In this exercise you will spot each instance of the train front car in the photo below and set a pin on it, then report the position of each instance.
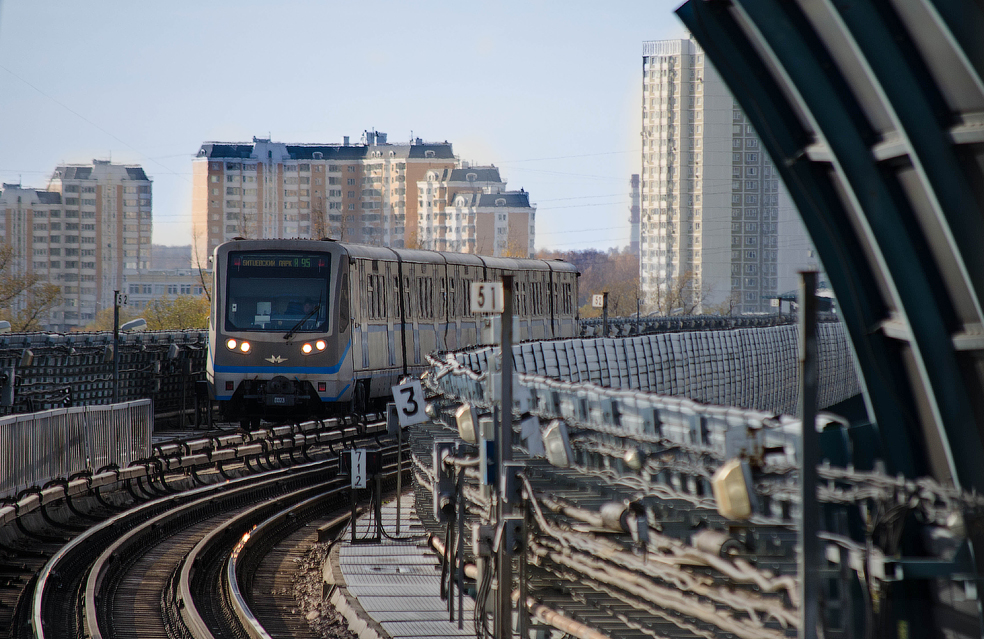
(279, 333)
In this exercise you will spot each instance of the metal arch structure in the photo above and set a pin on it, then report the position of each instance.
(873, 112)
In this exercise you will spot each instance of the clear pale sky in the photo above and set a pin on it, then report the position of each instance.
(550, 92)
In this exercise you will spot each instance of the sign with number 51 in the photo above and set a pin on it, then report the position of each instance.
(486, 297)
(409, 400)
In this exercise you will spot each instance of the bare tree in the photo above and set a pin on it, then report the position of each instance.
(200, 265)
(677, 295)
(319, 222)
(25, 299)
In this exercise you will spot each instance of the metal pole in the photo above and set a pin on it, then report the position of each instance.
(459, 547)
(503, 617)
(399, 474)
(604, 314)
(116, 347)
(809, 542)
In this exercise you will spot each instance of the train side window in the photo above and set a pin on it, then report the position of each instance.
(444, 298)
(453, 299)
(377, 297)
(396, 296)
(407, 297)
(425, 297)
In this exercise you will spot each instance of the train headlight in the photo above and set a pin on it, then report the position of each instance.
(320, 345)
(244, 347)
(231, 344)
(307, 348)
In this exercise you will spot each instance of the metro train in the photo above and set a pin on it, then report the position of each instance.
(310, 328)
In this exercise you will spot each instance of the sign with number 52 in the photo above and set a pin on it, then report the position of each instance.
(409, 400)
(486, 297)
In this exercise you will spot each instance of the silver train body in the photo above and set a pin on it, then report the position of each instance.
(305, 328)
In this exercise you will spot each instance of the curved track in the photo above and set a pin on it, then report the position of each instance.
(44, 578)
(159, 569)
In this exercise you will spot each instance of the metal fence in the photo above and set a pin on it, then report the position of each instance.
(627, 326)
(75, 369)
(40, 447)
(753, 368)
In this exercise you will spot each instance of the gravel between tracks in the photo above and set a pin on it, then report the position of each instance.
(307, 591)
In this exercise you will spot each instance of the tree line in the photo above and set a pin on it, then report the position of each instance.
(26, 301)
(616, 272)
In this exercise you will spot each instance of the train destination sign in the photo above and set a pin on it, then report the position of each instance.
(278, 260)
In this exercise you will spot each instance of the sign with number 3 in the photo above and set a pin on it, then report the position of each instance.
(409, 400)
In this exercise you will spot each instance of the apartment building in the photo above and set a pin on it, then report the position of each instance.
(364, 192)
(634, 198)
(90, 226)
(145, 286)
(711, 200)
(469, 210)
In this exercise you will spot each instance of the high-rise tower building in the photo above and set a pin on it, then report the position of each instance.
(634, 195)
(711, 199)
(91, 226)
(364, 193)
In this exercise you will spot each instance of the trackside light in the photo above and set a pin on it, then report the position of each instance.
(231, 344)
(244, 347)
(321, 345)
(466, 418)
(558, 444)
(734, 490)
(307, 348)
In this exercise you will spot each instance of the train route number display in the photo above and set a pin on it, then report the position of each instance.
(409, 400)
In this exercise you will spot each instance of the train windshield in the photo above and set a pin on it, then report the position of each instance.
(277, 292)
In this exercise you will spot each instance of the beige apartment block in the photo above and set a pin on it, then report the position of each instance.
(90, 227)
(712, 204)
(149, 285)
(365, 193)
(469, 210)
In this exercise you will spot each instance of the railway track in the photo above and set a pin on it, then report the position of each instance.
(38, 526)
(159, 569)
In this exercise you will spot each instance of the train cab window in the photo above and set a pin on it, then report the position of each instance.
(277, 292)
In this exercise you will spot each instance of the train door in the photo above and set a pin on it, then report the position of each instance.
(468, 321)
(447, 327)
(452, 317)
(392, 292)
(427, 321)
(376, 351)
(410, 327)
(540, 314)
(521, 305)
(360, 346)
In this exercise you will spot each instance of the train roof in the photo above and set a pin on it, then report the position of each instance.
(417, 256)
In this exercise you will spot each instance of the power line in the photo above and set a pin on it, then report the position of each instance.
(90, 122)
(567, 157)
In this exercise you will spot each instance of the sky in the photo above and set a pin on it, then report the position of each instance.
(549, 92)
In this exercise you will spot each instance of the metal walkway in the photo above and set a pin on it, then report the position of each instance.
(392, 589)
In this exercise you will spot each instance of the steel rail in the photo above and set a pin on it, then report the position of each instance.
(203, 453)
(267, 535)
